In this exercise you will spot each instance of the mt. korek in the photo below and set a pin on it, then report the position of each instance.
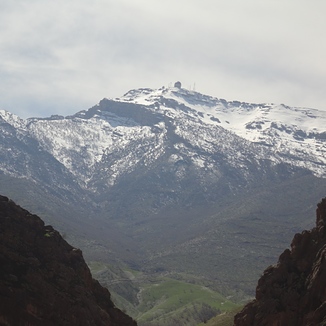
(170, 180)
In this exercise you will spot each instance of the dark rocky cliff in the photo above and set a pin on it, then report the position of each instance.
(44, 280)
(293, 292)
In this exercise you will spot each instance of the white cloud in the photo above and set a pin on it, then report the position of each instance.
(64, 56)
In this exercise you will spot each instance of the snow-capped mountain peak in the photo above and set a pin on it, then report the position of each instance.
(118, 135)
(289, 131)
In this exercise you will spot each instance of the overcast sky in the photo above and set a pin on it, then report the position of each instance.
(63, 56)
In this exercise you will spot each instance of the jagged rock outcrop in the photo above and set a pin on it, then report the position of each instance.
(44, 280)
(293, 292)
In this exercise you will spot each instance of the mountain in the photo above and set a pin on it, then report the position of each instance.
(292, 292)
(171, 181)
(44, 280)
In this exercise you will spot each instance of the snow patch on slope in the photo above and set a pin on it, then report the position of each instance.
(13, 120)
(293, 135)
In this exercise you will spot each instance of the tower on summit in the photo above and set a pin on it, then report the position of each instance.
(177, 84)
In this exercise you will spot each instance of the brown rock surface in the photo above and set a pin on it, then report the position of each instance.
(293, 292)
(45, 281)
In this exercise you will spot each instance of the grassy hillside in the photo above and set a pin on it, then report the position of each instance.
(180, 301)
(223, 319)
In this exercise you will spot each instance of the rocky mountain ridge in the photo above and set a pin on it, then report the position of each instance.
(44, 280)
(293, 292)
(145, 118)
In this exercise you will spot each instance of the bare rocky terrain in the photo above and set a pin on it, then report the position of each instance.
(293, 292)
(44, 280)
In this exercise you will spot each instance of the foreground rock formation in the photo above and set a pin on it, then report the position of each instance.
(293, 292)
(45, 281)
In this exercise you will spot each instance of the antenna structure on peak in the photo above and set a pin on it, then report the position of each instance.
(177, 84)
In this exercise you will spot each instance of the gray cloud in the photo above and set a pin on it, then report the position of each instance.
(64, 56)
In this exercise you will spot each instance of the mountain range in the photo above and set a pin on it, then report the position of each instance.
(171, 181)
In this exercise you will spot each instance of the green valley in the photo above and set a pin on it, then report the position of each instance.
(163, 299)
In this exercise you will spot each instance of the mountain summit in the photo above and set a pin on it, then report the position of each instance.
(160, 175)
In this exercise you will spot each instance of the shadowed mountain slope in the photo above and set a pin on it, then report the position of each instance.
(44, 280)
(293, 292)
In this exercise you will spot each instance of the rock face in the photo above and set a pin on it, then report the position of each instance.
(44, 280)
(293, 292)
